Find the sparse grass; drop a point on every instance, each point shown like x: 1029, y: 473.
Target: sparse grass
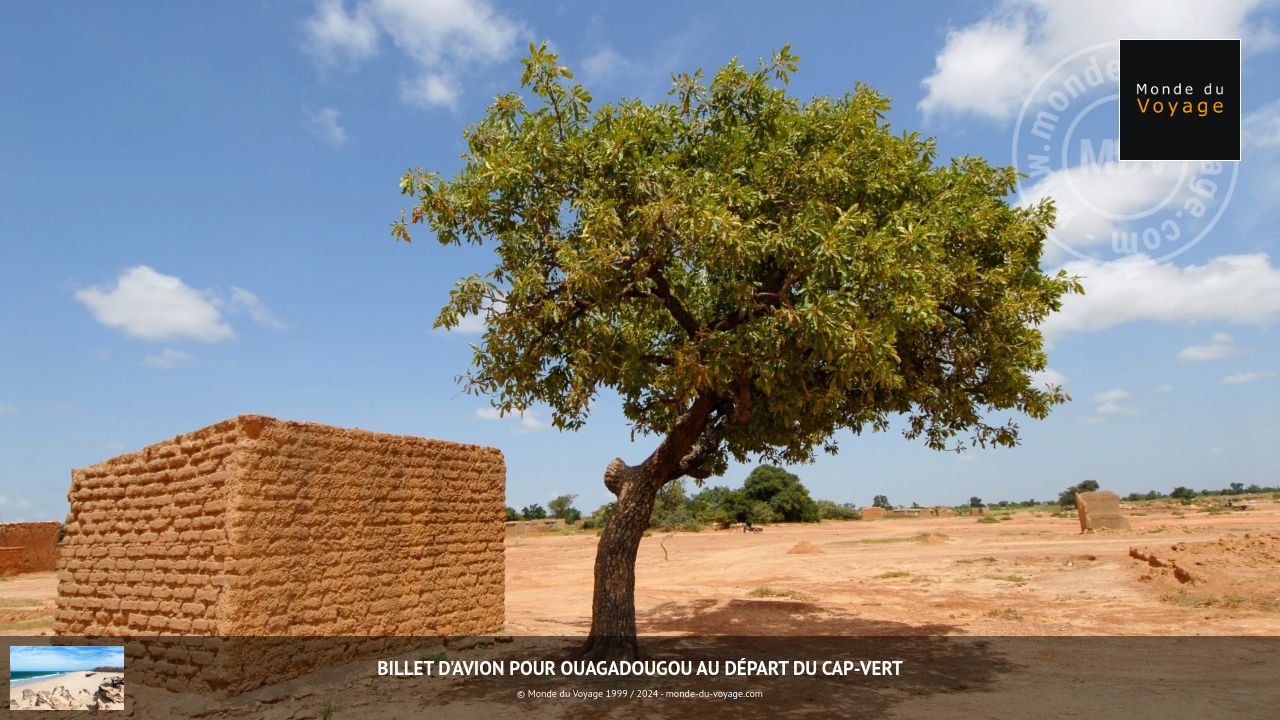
x: 437, y: 657
x: 1015, y: 579
x: 769, y: 592
x: 326, y: 710
x: 924, y: 580
x: 1005, y: 517
x: 1156, y: 530
x: 892, y: 574
x: 1005, y: 614
x: 33, y: 624
x: 1179, y: 513
x: 1182, y: 598
x: 1215, y: 510
x: 1269, y: 604
x: 966, y: 561
x: 987, y: 519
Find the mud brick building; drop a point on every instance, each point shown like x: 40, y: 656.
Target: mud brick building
x: 256, y: 526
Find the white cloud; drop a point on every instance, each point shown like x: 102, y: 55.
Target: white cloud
x: 334, y: 35
x: 168, y: 359
x: 527, y: 421
x: 431, y: 90
x: 1238, y: 289
x: 1261, y: 128
x: 1047, y: 379
x: 988, y: 68
x: 603, y: 65
x: 243, y: 301
x: 1243, y: 377
x: 1081, y: 192
x: 442, y: 39
x: 1111, y: 402
x: 152, y: 306
x: 1220, y: 346
x: 324, y: 124
x: 6, y: 409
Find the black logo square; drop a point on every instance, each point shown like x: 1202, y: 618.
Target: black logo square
x: 1179, y: 99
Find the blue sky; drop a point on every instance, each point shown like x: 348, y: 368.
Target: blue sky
x: 68, y: 657
x: 195, y: 199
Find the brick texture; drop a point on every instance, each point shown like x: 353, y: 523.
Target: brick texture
x: 10, y: 560
x: 256, y: 526
x: 39, y: 543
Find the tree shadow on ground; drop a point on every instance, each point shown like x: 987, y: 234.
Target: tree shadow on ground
x: 760, y: 630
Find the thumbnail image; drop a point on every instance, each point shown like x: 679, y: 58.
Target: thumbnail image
x: 69, y: 677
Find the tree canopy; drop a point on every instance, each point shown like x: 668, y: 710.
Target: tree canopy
x: 784, y: 268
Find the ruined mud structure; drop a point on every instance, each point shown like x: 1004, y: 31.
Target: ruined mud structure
x: 38, y: 542
x: 256, y: 526
x: 872, y: 513
x: 1100, y: 510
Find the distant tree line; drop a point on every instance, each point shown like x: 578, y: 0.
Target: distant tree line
x: 771, y: 494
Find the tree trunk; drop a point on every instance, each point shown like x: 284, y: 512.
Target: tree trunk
x: 613, y: 607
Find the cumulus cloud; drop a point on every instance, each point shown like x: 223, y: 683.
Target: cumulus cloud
x: 333, y: 35
x: 7, y: 409
x: 168, y: 359
x: 1092, y: 200
x: 1221, y: 345
x: 1240, y: 378
x: 153, y: 306
x: 150, y: 305
x: 324, y: 124
x: 987, y: 68
x: 1237, y: 289
x: 441, y: 38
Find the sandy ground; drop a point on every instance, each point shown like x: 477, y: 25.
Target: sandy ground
x: 79, y: 688
x: 1024, y: 576
x: 1178, y: 572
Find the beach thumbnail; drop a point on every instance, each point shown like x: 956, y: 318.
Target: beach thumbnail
x: 67, y: 677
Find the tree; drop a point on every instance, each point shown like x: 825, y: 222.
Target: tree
x: 562, y: 507
x: 512, y: 514
x: 1182, y: 493
x: 882, y: 501
x: 831, y: 510
x: 1067, y: 498
x: 533, y: 512
x: 975, y: 502
x: 788, y: 498
x: 747, y: 271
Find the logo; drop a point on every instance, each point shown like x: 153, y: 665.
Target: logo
x: 1067, y: 145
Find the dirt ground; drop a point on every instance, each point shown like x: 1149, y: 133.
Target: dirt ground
x: 1212, y: 574
x: 1178, y: 572
x: 1026, y: 575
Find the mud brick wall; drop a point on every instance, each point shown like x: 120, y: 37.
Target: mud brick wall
x: 10, y: 560
x: 39, y: 543
x: 256, y: 526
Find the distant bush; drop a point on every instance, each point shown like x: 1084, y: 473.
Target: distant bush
x: 831, y: 510
x: 598, y: 519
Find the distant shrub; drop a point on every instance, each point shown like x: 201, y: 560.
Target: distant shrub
x: 831, y: 510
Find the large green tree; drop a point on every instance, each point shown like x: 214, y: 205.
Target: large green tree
x: 748, y: 271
